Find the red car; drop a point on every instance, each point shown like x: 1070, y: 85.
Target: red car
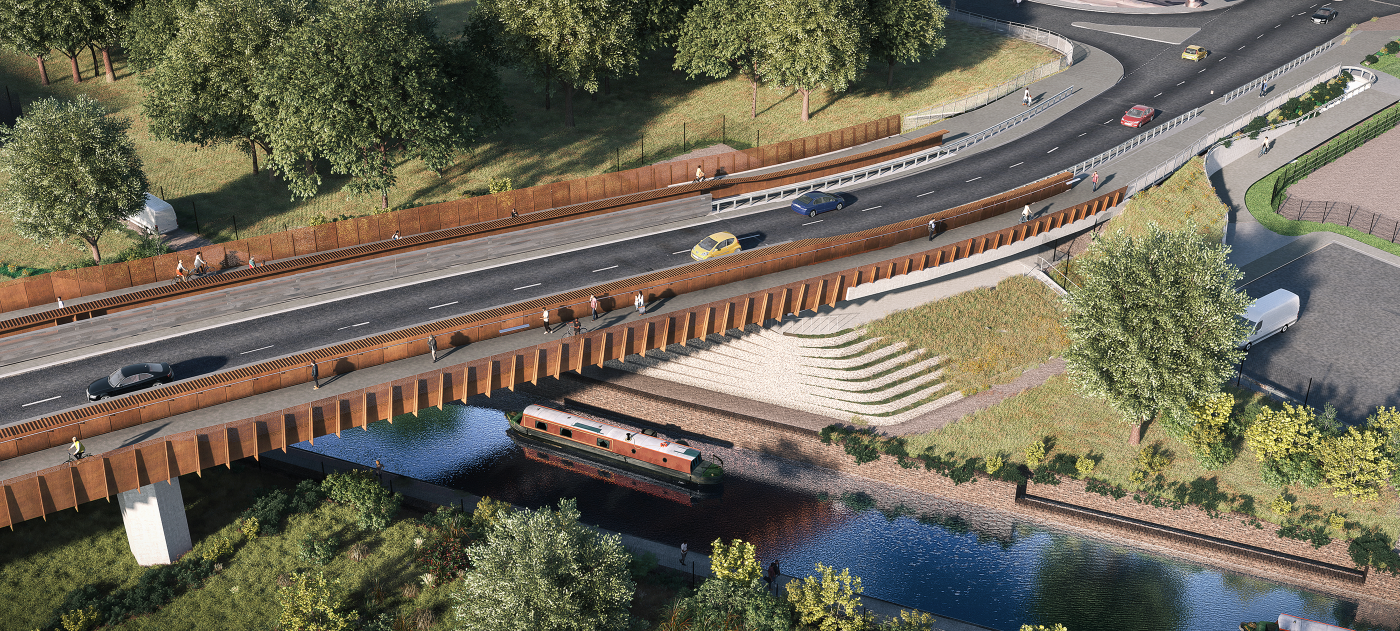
x: 1138, y: 116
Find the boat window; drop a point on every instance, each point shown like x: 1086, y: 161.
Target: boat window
x: 605, y: 474
x: 543, y: 456
x: 603, y: 442
x: 566, y: 433
x: 663, y: 460
x: 541, y: 425
x: 634, y: 451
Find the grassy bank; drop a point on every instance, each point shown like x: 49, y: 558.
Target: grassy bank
x: 642, y: 119
x: 1186, y: 198
x: 1257, y: 200
x: 989, y: 335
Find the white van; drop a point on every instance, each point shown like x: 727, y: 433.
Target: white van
x: 1269, y: 315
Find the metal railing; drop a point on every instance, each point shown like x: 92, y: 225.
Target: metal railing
x: 1070, y: 54
x: 1136, y: 141
x: 1253, y: 85
x: 1372, y: 127
x: 888, y: 167
x: 1204, y: 144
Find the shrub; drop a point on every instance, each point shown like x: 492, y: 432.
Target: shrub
x: 1372, y: 59
x: 443, y: 556
x: 360, y: 489
x: 487, y: 514
x: 1337, y: 521
x: 1392, y: 47
x: 358, y: 552
x: 1035, y: 453
x: 1281, y: 505
x: 316, y: 550
x: 313, y: 604
x: 1207, y: 439
x: 217, y: 549
x: 250, y: 528
x: 994, y: 464
x: 80, y: 619
x: 273, y: 507
x: 1084, y: 466
x: 1150, y: 462
x: 735, y: 562
x: 1375, y: 549
x: 642, y: 565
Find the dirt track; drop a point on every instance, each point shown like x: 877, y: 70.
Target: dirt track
x: 1365, y: 177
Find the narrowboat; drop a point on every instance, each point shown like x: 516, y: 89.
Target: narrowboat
x: 641, y: 452
x: 568, y: 460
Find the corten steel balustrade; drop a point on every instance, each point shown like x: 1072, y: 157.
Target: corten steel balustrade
x: 88, y: 281
x: 66, y: 486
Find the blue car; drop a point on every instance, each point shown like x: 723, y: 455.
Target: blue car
x: 813, y: 202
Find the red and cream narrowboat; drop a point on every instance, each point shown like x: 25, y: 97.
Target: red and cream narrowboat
x: 643, y: 452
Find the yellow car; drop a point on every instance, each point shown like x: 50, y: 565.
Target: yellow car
x: 1194, y: 53
x: 715, y: 246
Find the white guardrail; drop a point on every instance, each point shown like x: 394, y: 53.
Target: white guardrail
x: 1254, y: 85
x: 1070, y: 54
x: 888, y: 167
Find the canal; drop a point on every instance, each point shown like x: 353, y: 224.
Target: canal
x: 979, y: 565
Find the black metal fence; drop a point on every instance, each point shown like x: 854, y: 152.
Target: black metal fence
x: 1372, y: 127
x: 1341, y: 214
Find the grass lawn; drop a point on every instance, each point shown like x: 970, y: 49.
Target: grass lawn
x: 1079, y: 425
x: 660, y: 112
x: 1257, y: 200
x: 988, y: 335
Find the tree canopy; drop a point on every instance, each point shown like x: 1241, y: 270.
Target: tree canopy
x: 24, y: 29
x: 905, y: 31
x: 1155, y: 326
x: 542, y: 570
x: 364, y: 85
x: 719, y: 38
x: 830, y: 601
x: 74, y: 172
x: 811, y: 44
x: 575, y: 42
x: 151, y: 26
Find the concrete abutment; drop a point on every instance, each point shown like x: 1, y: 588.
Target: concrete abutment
x: 156, y: 527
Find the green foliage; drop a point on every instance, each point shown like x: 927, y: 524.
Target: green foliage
x: 1376, y: 549
x: 1155, y: 324
x: 723, y: 604
x: 1315, y: 535
x: 417, y: 99
x: 1084, y: 466
x: 444, y: 557
x: 317, y: 550
x: 642, y: 564
x: 1035, y: 453
x: 1281, y: 505
x: 487, y: 514
x: 218, y: 548
x: 911, y: 621
x: 156, y: 587
x: 1392, y: 47
x: 273, y: 507
x: 905, y: 31
x: 1207, y: 439
x: 73, y: 172
x: 736, y: 561
x: 501, y: 185
x: 812, y: 44
x: 80, y: 619
x: 719, y: 38
x: 829, y: 601
x: 1041, y: 627
x: 143, y: 246
x: 994, y: 464
x: 362, y: 490
x: 313, y: 604
x: 865, y: 445
x: 1371, y: 59
x: 1150, y: 462
x: 1285, y: 441
x: 542, y: 570
x: 25, y: 28
x: 1355, y: 464
x: 1094, y: 485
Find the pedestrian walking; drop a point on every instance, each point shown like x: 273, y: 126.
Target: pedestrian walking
x: 932, y: 228
x: 432, y: 347
x: 1026, y: 213
x: 179, y: 270
x: 593, y: 306
x: 1096, y: 181
x: 774, y: 572
x: 545, y: 317
x: 199, y: 266
x: 251, y: 263
x: 685, y: 549
x: 578, y: 328
x: 514, y: 214
x: 1264, y: 148
x: 378, y: 470
x: 60, y: 302
x: 396, y: 235
x: 699, y: 174
x: 315, y: 377
x: 640, y: 303
x: 1026, y: 98
x: 1263, y: 88
x: 76, y: 451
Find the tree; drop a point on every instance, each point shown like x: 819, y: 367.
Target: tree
x: 73, y: 171
x: 736, y: 561
x: 811, y: 44
x: 151, y: 27
x: 724, y: 604
x: 542, y: 570
x: 107, y: 22
x: 719, y: 38
x: 1156, y: 324
x: 202, y: 89
x: 24, y: 29
x: 1284, y: 441
x: 359, y: 488
x: 1355, y: 464
x: 575, y: 42
x: 313, y: 604
x: 829, y: 602
x: 72, y: 25
x: 905, y: 31
x: 365, y: 85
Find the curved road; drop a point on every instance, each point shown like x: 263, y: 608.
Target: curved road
x: 1246, y: 40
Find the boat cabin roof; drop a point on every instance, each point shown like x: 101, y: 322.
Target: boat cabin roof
x: 611, y: 431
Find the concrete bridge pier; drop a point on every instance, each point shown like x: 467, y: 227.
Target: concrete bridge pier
x: 155, y: 522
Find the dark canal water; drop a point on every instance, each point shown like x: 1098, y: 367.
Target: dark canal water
x: 981, y: 566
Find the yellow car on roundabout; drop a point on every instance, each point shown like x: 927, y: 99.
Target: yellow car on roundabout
x: 715, y: 246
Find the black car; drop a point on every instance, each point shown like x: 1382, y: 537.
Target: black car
x: 130, y: 379
x: 1324, y: 15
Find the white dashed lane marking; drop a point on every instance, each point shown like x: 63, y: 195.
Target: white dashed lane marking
x: 527, y: 286
x: 42, y: 401
x: 445, y: 304
x: 258, y: 349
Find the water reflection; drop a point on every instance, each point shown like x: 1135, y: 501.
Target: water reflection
x: 985, y: 567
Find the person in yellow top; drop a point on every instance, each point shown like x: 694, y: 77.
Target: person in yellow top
x: 76, y: 450
x: 699, y: 174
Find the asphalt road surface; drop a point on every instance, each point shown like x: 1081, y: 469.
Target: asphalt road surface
x: 1246, y: 41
